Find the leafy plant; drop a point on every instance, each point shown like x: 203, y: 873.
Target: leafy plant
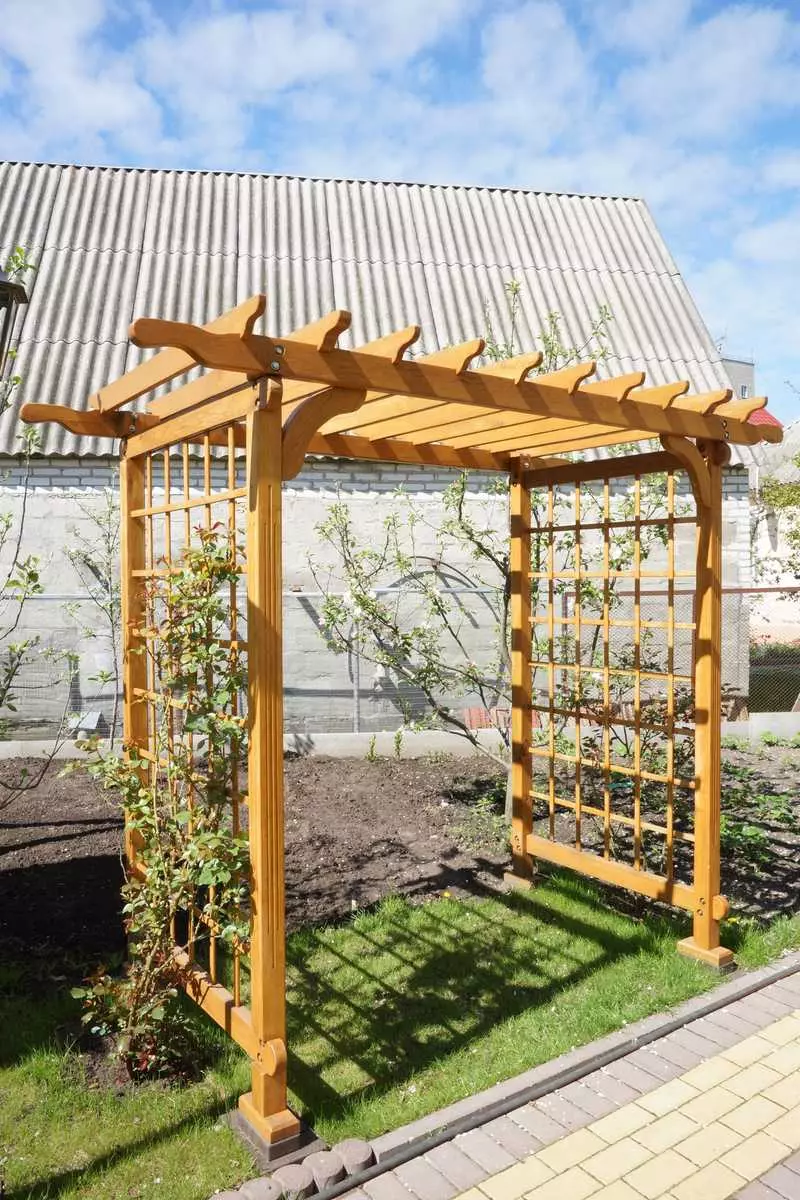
x: 191, y: 869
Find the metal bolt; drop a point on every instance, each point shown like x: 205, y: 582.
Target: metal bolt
x: 275, y: 366
x: 280, y: 349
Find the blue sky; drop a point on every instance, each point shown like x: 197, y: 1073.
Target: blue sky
x: 694, y: 106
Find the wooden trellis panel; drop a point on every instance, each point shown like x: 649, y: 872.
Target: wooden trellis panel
x: 613, y: 767
x: 169, y: 492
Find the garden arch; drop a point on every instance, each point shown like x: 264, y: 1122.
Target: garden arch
x: 260, y: 406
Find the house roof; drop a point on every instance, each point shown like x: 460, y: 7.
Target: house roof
x: 113, y: 244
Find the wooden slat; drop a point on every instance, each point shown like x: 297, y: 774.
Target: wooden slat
x: 516, y: 368
x: 618, y: 388
x: 702, y: 402
x: 343, y: 445
x: 604, y: 468
x: 218, y: 1003
x: 568, y: 441
x: 171, y: 362
x: 742, y: 410
x: 521, y: 676
x: 196, y: 422
x: 608, y: 871
x: 208, y: 387
x: 663, y: 394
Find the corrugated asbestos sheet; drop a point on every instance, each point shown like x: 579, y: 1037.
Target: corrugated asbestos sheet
x: 112, y: 244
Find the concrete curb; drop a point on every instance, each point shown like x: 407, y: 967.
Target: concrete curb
x: 399, y: 1146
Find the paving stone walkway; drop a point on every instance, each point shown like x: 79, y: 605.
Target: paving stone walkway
x: 709, y: 1112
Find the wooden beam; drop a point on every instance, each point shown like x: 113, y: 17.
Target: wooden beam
x: 565, y: 439
x: 195, y: 422
x: 604, y: 468
x: 87, y: 424
x: 265, y: 1107
x: 351, y: 369
x: 704, y: 942
x: 171, y: 362
x: 618, y: 388
x: 132, y: 555
x: 609, y: 871
x: 342, y: 445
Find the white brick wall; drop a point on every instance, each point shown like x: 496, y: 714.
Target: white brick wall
x: 319, y: 685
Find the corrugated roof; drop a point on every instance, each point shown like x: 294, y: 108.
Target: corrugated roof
x: 115, y: 243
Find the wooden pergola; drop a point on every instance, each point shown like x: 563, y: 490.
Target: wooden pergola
x: 267, y: 402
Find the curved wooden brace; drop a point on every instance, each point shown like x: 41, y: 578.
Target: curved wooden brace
x: 695, y: 464
x: 305, y: 420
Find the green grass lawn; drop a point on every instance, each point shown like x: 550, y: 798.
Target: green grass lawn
x: 391, y: 1015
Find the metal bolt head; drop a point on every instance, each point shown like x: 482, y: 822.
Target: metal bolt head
x: 275, y: 366
x: 280, y: 349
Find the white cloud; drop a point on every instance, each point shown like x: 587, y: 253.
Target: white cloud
x: 692, y: 106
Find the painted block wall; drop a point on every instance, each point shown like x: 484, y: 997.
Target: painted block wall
x: 324, y: 692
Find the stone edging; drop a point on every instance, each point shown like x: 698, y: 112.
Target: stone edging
x: 400, y: 1145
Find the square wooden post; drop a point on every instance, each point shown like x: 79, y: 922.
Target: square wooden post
x: 521, y: 874
x: 133, y: 617
x: 710, y: 907
x: 265, y: 1106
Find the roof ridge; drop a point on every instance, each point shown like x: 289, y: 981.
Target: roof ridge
x: 472, y: 187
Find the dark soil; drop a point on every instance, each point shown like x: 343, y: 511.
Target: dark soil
x: 355, y: 831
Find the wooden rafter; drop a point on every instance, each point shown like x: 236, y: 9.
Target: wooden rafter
x: 293, y: 360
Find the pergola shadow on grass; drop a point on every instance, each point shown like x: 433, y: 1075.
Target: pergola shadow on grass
x: 649, y: 823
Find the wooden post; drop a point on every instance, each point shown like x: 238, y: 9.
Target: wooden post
x: 265, y: 1106
x: 132, y: 613
x: 710, y: 907
x: 521, y: 874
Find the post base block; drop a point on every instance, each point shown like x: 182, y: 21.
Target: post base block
x: 277, y: 1129
x: 520, y: 883
x: 718, y: 958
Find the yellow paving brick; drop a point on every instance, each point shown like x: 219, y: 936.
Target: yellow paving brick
x: 714, y: 1182
x: 622, y: 1123
x: 618, y: 1190
x: 708, y: 1074
x: 666, y: 1132
x: 517, y: 1180
x: 574, y: 1184
x: 711, y: 1105
x: 785, y: 1060
x: 752, y: 1080
x: 787, y: 1129
x: 784, y: 1031
x: 753, y: 1115
x: 749, y: 1051
x: 787, y: 1092
x: 617, y: 1160
x: 667, y: 1098
x: 708, y: 1144
x: 754, y: 1156
x: 663, y: 1171
x: 471, y: 1194
x: 570, y: 1150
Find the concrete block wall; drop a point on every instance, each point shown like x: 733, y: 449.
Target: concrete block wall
x: 321, y: 688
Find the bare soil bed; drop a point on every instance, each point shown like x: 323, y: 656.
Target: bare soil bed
x: 355, y: 831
